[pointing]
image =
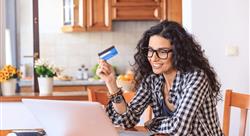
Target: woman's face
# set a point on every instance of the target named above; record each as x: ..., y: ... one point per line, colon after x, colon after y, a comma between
x: 160, y: 54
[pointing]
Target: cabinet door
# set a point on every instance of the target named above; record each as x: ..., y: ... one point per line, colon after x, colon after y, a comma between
x: 174, y: 10
x: 97, y: 88
x: 147, y: 10
x: 74, y: 15
x: 98, y: 15
x: 71, y: 88
x: 136, y: 10
x: 135, y: 2
x: 136, y: 13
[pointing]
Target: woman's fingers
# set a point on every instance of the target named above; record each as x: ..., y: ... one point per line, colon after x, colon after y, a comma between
x: 103, y: 70
x: 106, y: 70
x: 104, y: 63
x: 105, y: 67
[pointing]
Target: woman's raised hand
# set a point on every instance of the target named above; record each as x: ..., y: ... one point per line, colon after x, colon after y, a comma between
x: 106, y: 72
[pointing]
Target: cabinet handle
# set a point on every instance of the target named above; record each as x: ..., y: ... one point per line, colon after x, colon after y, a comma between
x: 156, y: 12
x: 35, y: 56
x: 36, y: 20
x: 114, y: 13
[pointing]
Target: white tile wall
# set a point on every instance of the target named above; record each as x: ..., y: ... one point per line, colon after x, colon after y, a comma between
x: 70, y: 50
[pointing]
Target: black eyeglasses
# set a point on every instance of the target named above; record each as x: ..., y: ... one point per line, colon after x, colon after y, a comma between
x: 161, y: 53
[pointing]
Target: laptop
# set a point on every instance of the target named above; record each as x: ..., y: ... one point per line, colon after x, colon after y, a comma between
x: 74, y: 118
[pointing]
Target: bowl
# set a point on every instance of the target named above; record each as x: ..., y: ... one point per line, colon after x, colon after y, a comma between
x: 126, y: 85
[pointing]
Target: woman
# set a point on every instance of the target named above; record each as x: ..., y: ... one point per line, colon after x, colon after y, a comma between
x: 172, y: 76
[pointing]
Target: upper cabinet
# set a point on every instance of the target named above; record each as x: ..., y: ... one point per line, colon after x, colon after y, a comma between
x: 147, y: 10
x: 86, y: 15
x: 97, y: 15
x: 136, y: 10
x: 173, y: 10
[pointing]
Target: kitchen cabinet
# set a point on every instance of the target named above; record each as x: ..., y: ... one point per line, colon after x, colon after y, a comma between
x: 97, y: 88
x: 61, y: 88
x: 86, y: 15
x: 147, y: 10
x: 97, y: 15
x: 136, y: 10
x: 69, y: 88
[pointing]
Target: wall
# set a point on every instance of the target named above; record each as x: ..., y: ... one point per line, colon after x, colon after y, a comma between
x: 2, y: 33
x: 216, y: 25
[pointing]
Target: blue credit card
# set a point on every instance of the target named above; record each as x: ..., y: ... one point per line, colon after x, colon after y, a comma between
x: 108, y: 53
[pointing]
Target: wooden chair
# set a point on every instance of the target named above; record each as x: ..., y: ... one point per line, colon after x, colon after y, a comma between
x: 100, y: 95
x: 241, y: 101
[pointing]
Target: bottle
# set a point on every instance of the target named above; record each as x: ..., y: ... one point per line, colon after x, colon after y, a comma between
x: 85, y: 74
x: 79, y: 74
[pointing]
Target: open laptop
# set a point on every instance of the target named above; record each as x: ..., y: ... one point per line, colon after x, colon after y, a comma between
x: 73, y: 118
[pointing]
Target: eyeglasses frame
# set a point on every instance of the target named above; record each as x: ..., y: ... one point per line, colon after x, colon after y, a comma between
x: 155, y: 51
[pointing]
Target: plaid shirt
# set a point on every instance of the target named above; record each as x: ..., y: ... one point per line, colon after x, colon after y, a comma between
x: 195, y: 111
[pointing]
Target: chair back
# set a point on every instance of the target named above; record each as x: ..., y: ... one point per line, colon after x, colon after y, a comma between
x: 238, y: 100
x: 100, y: 95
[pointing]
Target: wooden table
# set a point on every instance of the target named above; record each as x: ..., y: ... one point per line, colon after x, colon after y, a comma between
x: 70, y: 95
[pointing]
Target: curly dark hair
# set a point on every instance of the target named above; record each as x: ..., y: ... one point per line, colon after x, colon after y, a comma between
x: 187, y: 54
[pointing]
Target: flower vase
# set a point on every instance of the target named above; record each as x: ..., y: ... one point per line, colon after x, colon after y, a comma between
x: 9, y: 87
x: 45, y: 85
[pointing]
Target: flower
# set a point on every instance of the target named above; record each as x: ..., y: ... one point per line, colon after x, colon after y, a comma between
x: 44, y: 69
x: 9, y: 72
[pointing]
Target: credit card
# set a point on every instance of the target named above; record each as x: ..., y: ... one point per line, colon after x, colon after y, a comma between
x: 108, y: 53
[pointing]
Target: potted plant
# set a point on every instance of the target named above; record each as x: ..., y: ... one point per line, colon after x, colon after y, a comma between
x: 8, y: 79
x: 45, y: 72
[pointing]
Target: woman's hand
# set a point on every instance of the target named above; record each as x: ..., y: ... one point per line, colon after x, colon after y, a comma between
x: 106, y: 72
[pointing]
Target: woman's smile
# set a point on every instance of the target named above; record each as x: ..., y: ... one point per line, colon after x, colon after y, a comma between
x: 156, y: 65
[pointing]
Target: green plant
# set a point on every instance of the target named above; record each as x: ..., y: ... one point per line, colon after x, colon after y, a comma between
x: 94, y: 68
x: 44, y: 69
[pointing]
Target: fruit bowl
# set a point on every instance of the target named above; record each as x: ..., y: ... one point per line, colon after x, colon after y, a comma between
x: 126, y: 82
x: 126, y: 85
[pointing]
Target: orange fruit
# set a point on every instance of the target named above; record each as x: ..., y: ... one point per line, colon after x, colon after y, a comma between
x: 129, y: 77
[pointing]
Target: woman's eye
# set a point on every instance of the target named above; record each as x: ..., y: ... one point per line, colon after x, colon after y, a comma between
x: 163, y: 51
x: 150, y: 50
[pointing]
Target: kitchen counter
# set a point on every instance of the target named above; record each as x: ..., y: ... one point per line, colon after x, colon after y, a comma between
x: 66, y: 83
x: 71, y: 95
x: 65, y: 86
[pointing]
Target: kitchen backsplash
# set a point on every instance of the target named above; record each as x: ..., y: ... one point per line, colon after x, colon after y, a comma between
x: 71, y: 50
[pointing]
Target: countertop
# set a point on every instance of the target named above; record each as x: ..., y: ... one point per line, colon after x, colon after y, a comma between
x: 66, y: 83
x: 73, y: 95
